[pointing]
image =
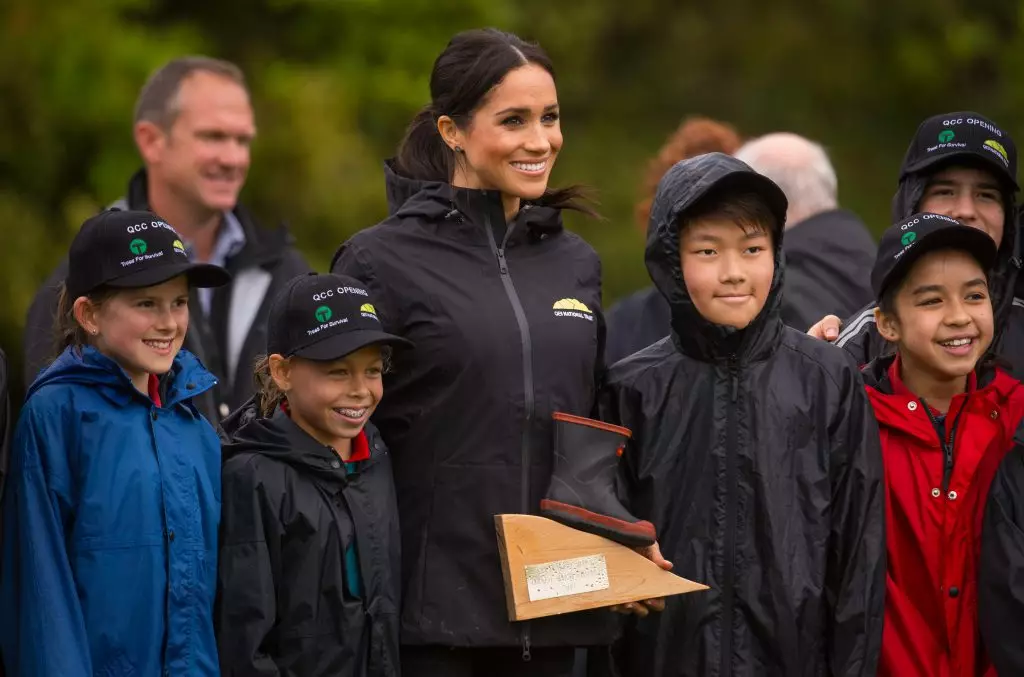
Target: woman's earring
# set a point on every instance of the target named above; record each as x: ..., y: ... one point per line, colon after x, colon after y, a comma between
x: 458, y: 149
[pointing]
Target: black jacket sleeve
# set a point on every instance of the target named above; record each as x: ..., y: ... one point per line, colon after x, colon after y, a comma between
x: 247, y: 568
x: 38, y: 336
x: 1001, y: 572
x: 855, y: 576
x: 355, y: 261
x: 293, y: 264
x: 860, y: 339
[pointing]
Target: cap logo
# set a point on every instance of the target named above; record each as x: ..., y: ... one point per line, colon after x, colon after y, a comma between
x: 908, y: 238
x: 946, y: 135
x: 323, y: 314
x: 568, y: 307
x: 138, y: 246
x: 367, y: 310
x: 997, y: 148
x: 179, y: 246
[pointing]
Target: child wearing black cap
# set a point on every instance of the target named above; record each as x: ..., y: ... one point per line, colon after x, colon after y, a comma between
x: 964, y: 166
x: 309, y: 567
x: 946, y: 420
x: 113, y: 502
x: 754, y: 451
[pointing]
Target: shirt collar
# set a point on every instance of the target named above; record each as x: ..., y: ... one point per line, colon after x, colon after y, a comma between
x: 229, y: 241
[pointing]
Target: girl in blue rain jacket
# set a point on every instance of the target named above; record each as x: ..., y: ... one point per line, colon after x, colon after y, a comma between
x: 112, y: 503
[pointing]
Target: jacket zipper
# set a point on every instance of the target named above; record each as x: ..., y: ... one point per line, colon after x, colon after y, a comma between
x: 946, y: 442
x: 729, y: 573
x: 528, y: 394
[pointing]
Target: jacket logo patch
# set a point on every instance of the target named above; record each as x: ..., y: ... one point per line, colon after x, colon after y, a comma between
x: 572, y: 308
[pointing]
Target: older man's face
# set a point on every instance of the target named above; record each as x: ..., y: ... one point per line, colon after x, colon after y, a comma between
x: 204, y: 157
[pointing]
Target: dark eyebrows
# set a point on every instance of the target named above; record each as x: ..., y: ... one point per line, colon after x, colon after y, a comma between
x: 938, y: 288
x: 526, y: 111
x: 949, y: 183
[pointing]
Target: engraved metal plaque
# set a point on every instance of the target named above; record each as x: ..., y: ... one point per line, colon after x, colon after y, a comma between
x: 566, y: 577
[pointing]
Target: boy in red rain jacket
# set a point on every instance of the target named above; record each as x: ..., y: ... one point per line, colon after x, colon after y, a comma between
x: 946, y: 421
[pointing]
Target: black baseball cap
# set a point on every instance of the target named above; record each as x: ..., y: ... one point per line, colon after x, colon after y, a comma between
x: 943, y: 139
x: 907, y: 241
x: 131, y: 249
x: 325, y: 317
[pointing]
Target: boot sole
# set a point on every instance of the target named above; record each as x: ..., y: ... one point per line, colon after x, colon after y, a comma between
x: 633, y: 534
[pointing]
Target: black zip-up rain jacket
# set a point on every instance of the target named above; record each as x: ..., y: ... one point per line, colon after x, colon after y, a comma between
x: 1001, y: 569
x: 860, y: 338
x: 756, y: 455
x: 287, y: 605
x: 508, y: 329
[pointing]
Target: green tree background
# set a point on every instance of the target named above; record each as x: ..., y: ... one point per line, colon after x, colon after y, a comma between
x: 335, y: 81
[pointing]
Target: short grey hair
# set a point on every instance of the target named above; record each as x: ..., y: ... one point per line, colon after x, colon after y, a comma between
x: 800, y: 167
x: 158, y: 100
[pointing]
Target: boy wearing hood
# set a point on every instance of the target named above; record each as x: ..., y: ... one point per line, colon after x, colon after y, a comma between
x: 961, y: 165
x: 309, y: 561
x: 754, y: 451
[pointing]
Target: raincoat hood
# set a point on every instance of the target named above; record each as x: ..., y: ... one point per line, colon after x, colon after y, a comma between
x: 679, y: 191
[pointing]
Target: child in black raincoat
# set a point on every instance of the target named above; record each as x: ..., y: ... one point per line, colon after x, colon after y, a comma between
x: 309, y: 562
x: 754, y: 452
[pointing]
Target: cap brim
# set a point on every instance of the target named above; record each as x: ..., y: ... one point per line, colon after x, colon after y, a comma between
x: 199, y: 275
x: 972, y: 240
x: 975, y: 158
x: 340, y: 345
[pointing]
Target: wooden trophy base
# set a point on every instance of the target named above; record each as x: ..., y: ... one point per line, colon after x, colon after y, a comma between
x: 551, y: 569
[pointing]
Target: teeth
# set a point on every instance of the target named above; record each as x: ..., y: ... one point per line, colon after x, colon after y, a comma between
x: 529, y: 167
x: 158, y: 344
x: 957, y: 342
x: 351, y: 413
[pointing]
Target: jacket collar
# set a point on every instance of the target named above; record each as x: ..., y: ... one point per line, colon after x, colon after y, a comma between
x: 87, y: 366
x: 464, y: 213
x: 897, y: 407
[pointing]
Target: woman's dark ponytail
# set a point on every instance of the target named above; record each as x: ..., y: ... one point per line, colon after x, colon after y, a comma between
x: 423, y: 154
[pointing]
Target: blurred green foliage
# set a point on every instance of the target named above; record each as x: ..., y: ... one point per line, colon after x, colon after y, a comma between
x: 335, y: 81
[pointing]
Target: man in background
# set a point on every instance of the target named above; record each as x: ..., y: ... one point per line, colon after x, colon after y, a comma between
x: 193, y: 127
x: 829, y: 252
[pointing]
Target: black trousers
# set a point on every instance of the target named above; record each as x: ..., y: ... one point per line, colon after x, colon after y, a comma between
x: 441, y: 661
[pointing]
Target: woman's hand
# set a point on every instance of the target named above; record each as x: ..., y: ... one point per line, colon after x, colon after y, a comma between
x: 642, y: 608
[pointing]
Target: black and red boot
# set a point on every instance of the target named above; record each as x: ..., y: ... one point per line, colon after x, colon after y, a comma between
x: 582, y: 492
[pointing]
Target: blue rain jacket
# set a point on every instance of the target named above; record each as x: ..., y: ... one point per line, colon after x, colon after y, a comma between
x: 110, y: 525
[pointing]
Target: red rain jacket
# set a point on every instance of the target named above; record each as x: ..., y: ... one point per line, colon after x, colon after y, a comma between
x: 934, y: 506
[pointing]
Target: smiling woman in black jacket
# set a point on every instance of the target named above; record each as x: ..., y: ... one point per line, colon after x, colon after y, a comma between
x: 473, y: 265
